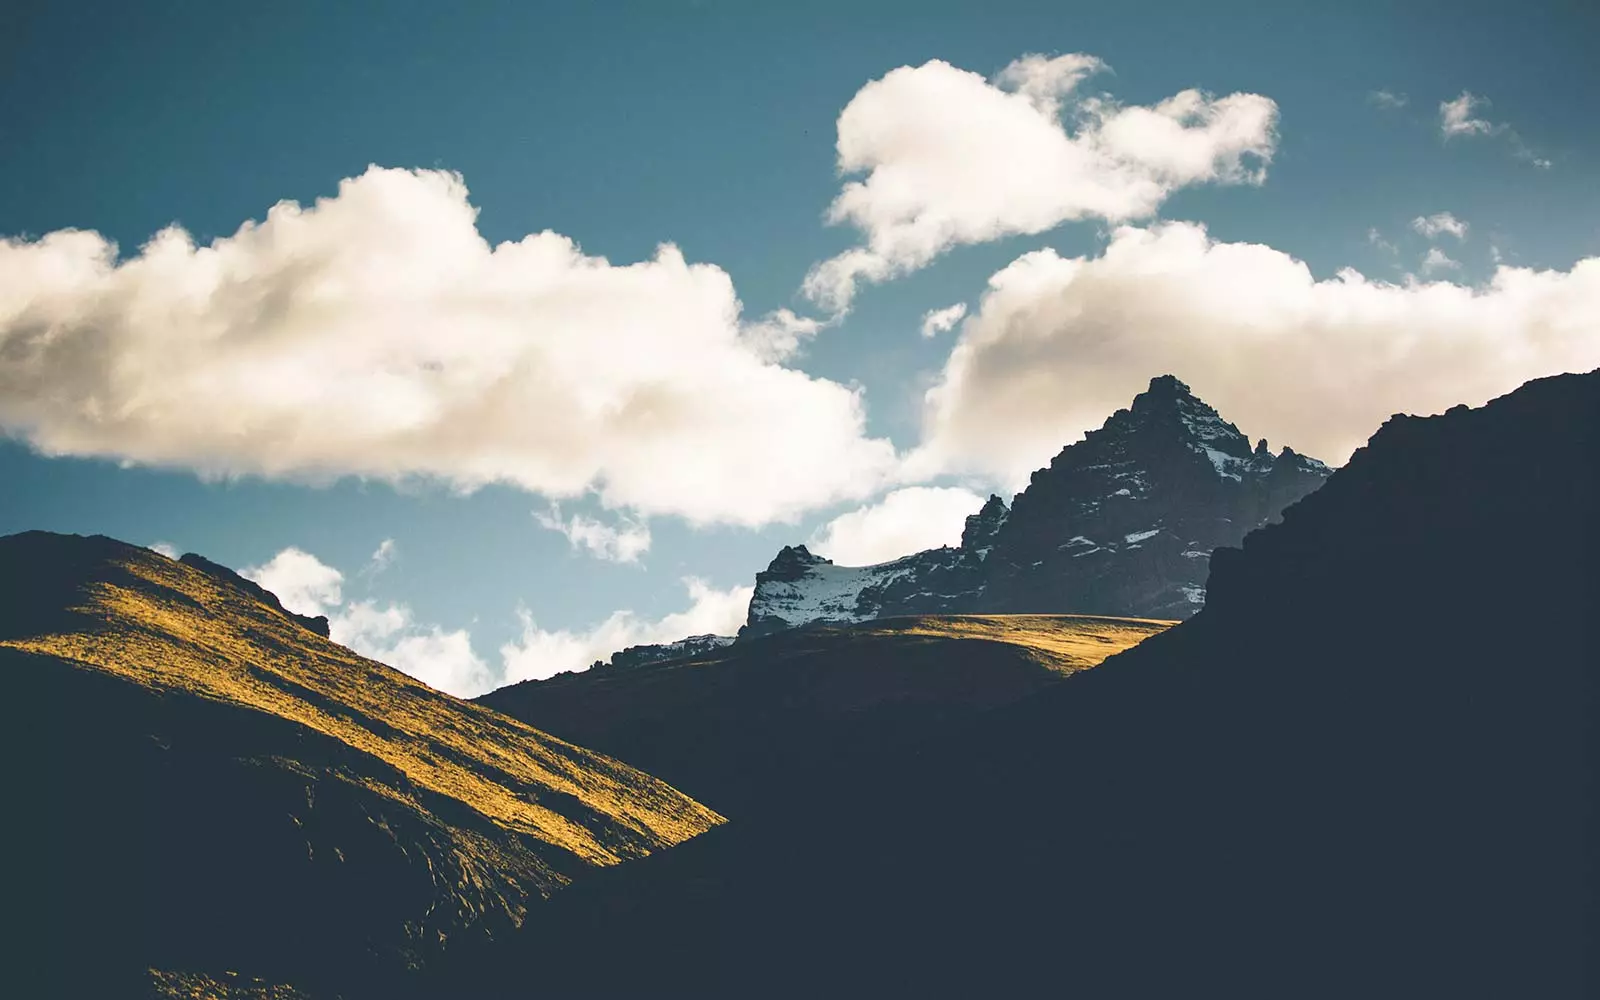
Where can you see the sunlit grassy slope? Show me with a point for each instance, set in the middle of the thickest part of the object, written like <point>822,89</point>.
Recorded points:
<point>1064,643</point>
<point>420,814</point>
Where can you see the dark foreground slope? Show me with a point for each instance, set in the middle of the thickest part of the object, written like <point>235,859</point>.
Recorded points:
<point>1365,769</point>
<point>768,725</point>
<point>211,787</point>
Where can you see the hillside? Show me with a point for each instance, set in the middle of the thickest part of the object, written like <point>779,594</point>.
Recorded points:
<point>222,788</point>
<point>741,726</point>
<point>1365,769</point>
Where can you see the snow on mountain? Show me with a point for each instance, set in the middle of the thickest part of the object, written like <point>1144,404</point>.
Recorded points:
<point>1122,522</point>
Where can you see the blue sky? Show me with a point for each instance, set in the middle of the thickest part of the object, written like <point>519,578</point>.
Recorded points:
<point>713,126</point>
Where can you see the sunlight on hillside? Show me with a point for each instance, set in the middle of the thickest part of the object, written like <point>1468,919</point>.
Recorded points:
<point>1065,643</point>
<point>170,627</point>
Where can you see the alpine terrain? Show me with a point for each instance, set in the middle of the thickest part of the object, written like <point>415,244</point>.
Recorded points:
<point>216,794</point>
<point>1364,768</point>
<point>1122,523</point>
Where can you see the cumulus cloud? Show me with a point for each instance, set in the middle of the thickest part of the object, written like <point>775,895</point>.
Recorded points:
<point>378,334</point>
<point>1058,343</point>
<point>905,521</point>
<point>165,548</point>
<point>1440,224</point>
<point>1388,100</point>
<point>303,583</point>
<point>539,652</point>
<point>1437,260</point>
<point>951,158</point>
<point>442,659</point>
<point>937,321</point>
<point>624,542</point>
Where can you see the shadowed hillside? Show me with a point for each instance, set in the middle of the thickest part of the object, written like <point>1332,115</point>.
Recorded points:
<point>221,788</point>
<point>744,728</point>
<point>1365,769</point>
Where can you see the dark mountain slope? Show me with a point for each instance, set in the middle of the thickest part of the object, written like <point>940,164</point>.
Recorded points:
<point>765,726</point>
<point>211,785</point>
<point>1365,769</point>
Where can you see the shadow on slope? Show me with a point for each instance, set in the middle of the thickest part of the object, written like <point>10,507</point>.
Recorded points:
<point>211,785</point>
<point>755,727</point>
<point>1366,768</point>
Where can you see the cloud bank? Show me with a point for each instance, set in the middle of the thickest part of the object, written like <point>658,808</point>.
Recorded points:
<point>377,334</point>
<point>951,158</point>
<point>1058,343</point>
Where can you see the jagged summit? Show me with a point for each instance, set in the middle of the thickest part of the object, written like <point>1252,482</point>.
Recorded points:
<point>1120,523</point>
<point>982,527</point>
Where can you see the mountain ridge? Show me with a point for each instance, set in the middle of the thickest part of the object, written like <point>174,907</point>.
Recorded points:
<point>281,804</point>
<point>1120,523</point>
<point>1365,767</point>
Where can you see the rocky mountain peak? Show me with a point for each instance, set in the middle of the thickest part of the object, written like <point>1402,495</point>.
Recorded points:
<point>982,527</point>
<point>792,561</point>
<point>1120,523</point>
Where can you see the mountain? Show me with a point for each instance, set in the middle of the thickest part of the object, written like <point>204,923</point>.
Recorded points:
<point>1366,767</point>
<point>1121,523</point>
<point>638,656</point>
<point>218,790</point>
<point>760,725</point>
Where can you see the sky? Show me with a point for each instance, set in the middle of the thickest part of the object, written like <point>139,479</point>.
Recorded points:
<point>509,334</point>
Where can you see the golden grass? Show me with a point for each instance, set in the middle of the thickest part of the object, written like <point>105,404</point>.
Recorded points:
<point>169,985</point>
<point>1064,643</point>
<point>170,627</point>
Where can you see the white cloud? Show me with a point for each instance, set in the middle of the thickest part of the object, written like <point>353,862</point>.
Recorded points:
<point>377,334</point>
<point>1455,117</point>
<point>442,659</point>
<point>1376,239</point>
<point>1388,100</point>
<point>1057,343</point>
<point>937,321</point>
<point>439,658</point>
<point>623,543</point>
<point>1437,260</point>
<point>905,521</point>
<point>381,557</point>
<point>303,583</point>
<point>778,335</point>
<point>541,653</point>
<point>1441,223</point>
<point>445,658</point>
<point>165,548</point>
<point>951,158</point>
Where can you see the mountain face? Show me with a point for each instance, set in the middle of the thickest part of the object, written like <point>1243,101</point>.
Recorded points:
<point>1366,767</point>
<point>1121,523</point>
<point>221,788</point>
